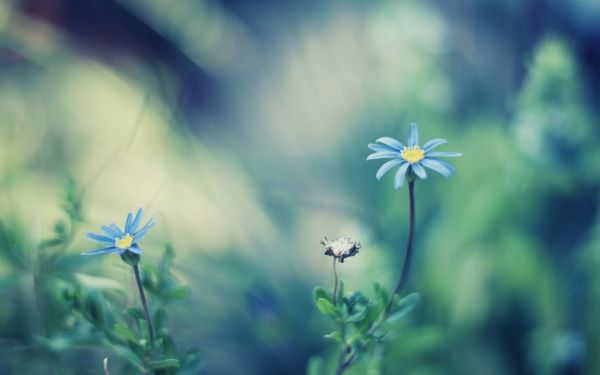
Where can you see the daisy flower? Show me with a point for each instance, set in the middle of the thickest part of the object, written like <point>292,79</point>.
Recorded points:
<point>411,158</point>
<point>341,248</point>
<point>119,241</point>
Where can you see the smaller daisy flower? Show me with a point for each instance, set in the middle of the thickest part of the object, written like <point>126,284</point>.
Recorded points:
<point>120,241</point>
<point>341,248</point>
<point>411,158</point>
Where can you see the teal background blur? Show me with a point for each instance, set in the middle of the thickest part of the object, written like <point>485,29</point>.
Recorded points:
<point>241,127</point>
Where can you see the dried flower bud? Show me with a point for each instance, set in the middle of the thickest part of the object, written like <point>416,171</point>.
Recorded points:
<point>341,248</point>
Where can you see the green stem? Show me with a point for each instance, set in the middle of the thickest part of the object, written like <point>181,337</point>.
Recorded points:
<point>409,245</point>
<point>138,279</point>
<point>335,282</point>
<point>343,362</point>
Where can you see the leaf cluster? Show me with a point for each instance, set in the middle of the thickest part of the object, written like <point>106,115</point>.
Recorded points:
<point>363,324</point>
<point>57,314</point>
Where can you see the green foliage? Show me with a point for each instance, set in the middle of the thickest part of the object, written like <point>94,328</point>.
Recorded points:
<point>364,324</point>
<point>159,280</point>
<point>327,307</point>
<point>162,356</point>
<point>507,253</point>
<point>404,306</point>
<point>72,312</point>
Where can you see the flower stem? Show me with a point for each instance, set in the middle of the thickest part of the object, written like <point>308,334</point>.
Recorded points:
<point>409,244</point>
<point>138,279</point>
<point>335,282</point>
<point>343,362</point>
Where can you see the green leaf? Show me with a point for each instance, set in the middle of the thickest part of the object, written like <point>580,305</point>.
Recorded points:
<point>160,318</point>
<point>381,293</point>
<point>335,336</point>
<point>58,343</point>
<point>378,308</point>
<point>191,360</point>
<point>51,242</point>
<point>168,345</point>
<point>13,246</point>
<point>60,227</point>
<point>135,312</point>
<point>93,309</point>
<point>178,293</point>
<point>405,305</point>
<point>128,355</point>
<point>359,341</point>
<point>356,298</point>
<point>123,331</point>
<point>315,366</point>
<point>326,307</point>
<point>68,292</point>
<point>126,334</point>
<point>150,277</point>
<point>96,282</point>
<point>380,335</point>
<point>374,311</point>
<point>167,259</point>
<point>163,363</point>
<point>358,315</point>
<point>72,201</point>
<point>143,327</point>
<point>320,292</point>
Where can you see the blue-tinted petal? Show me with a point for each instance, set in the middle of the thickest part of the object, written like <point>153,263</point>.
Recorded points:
<point>113,232</point>
<point>400,174</point>
<point>136,221</point>
<point>386,167</point>
<point>394,143</point>
<point>100,238</point>
<point>127,223</point>
<point>433,143</point>
<point>378,147</point>
<point>419,171</point>
<point>116,228</point>
<point>136,249</point>
<point>439,166</point>
<point>104,250</point>
<point>140,233</point>
<point>444,154</point>
<point>413,135</point>
<point>383,155</point>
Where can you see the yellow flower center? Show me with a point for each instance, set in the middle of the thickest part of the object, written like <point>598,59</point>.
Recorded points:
<point>412,154</point>
<point>124,242</point>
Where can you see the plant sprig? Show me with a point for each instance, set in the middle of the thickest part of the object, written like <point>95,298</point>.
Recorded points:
<point>361,321</point>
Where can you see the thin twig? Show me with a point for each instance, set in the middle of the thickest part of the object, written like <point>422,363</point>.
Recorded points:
<point>138,279</point>
<point>409,246</point>
<point>343,362</point>
<point>335,282</point>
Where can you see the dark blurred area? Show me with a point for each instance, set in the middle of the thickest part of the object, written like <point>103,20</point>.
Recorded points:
<point>488,39</point>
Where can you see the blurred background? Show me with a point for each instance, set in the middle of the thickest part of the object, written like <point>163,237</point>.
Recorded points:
<point>241,127</point>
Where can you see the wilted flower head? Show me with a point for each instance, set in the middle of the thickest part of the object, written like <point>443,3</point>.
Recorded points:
<point>411,156</point>
<point>120,241</point>
<point>341,248</point>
